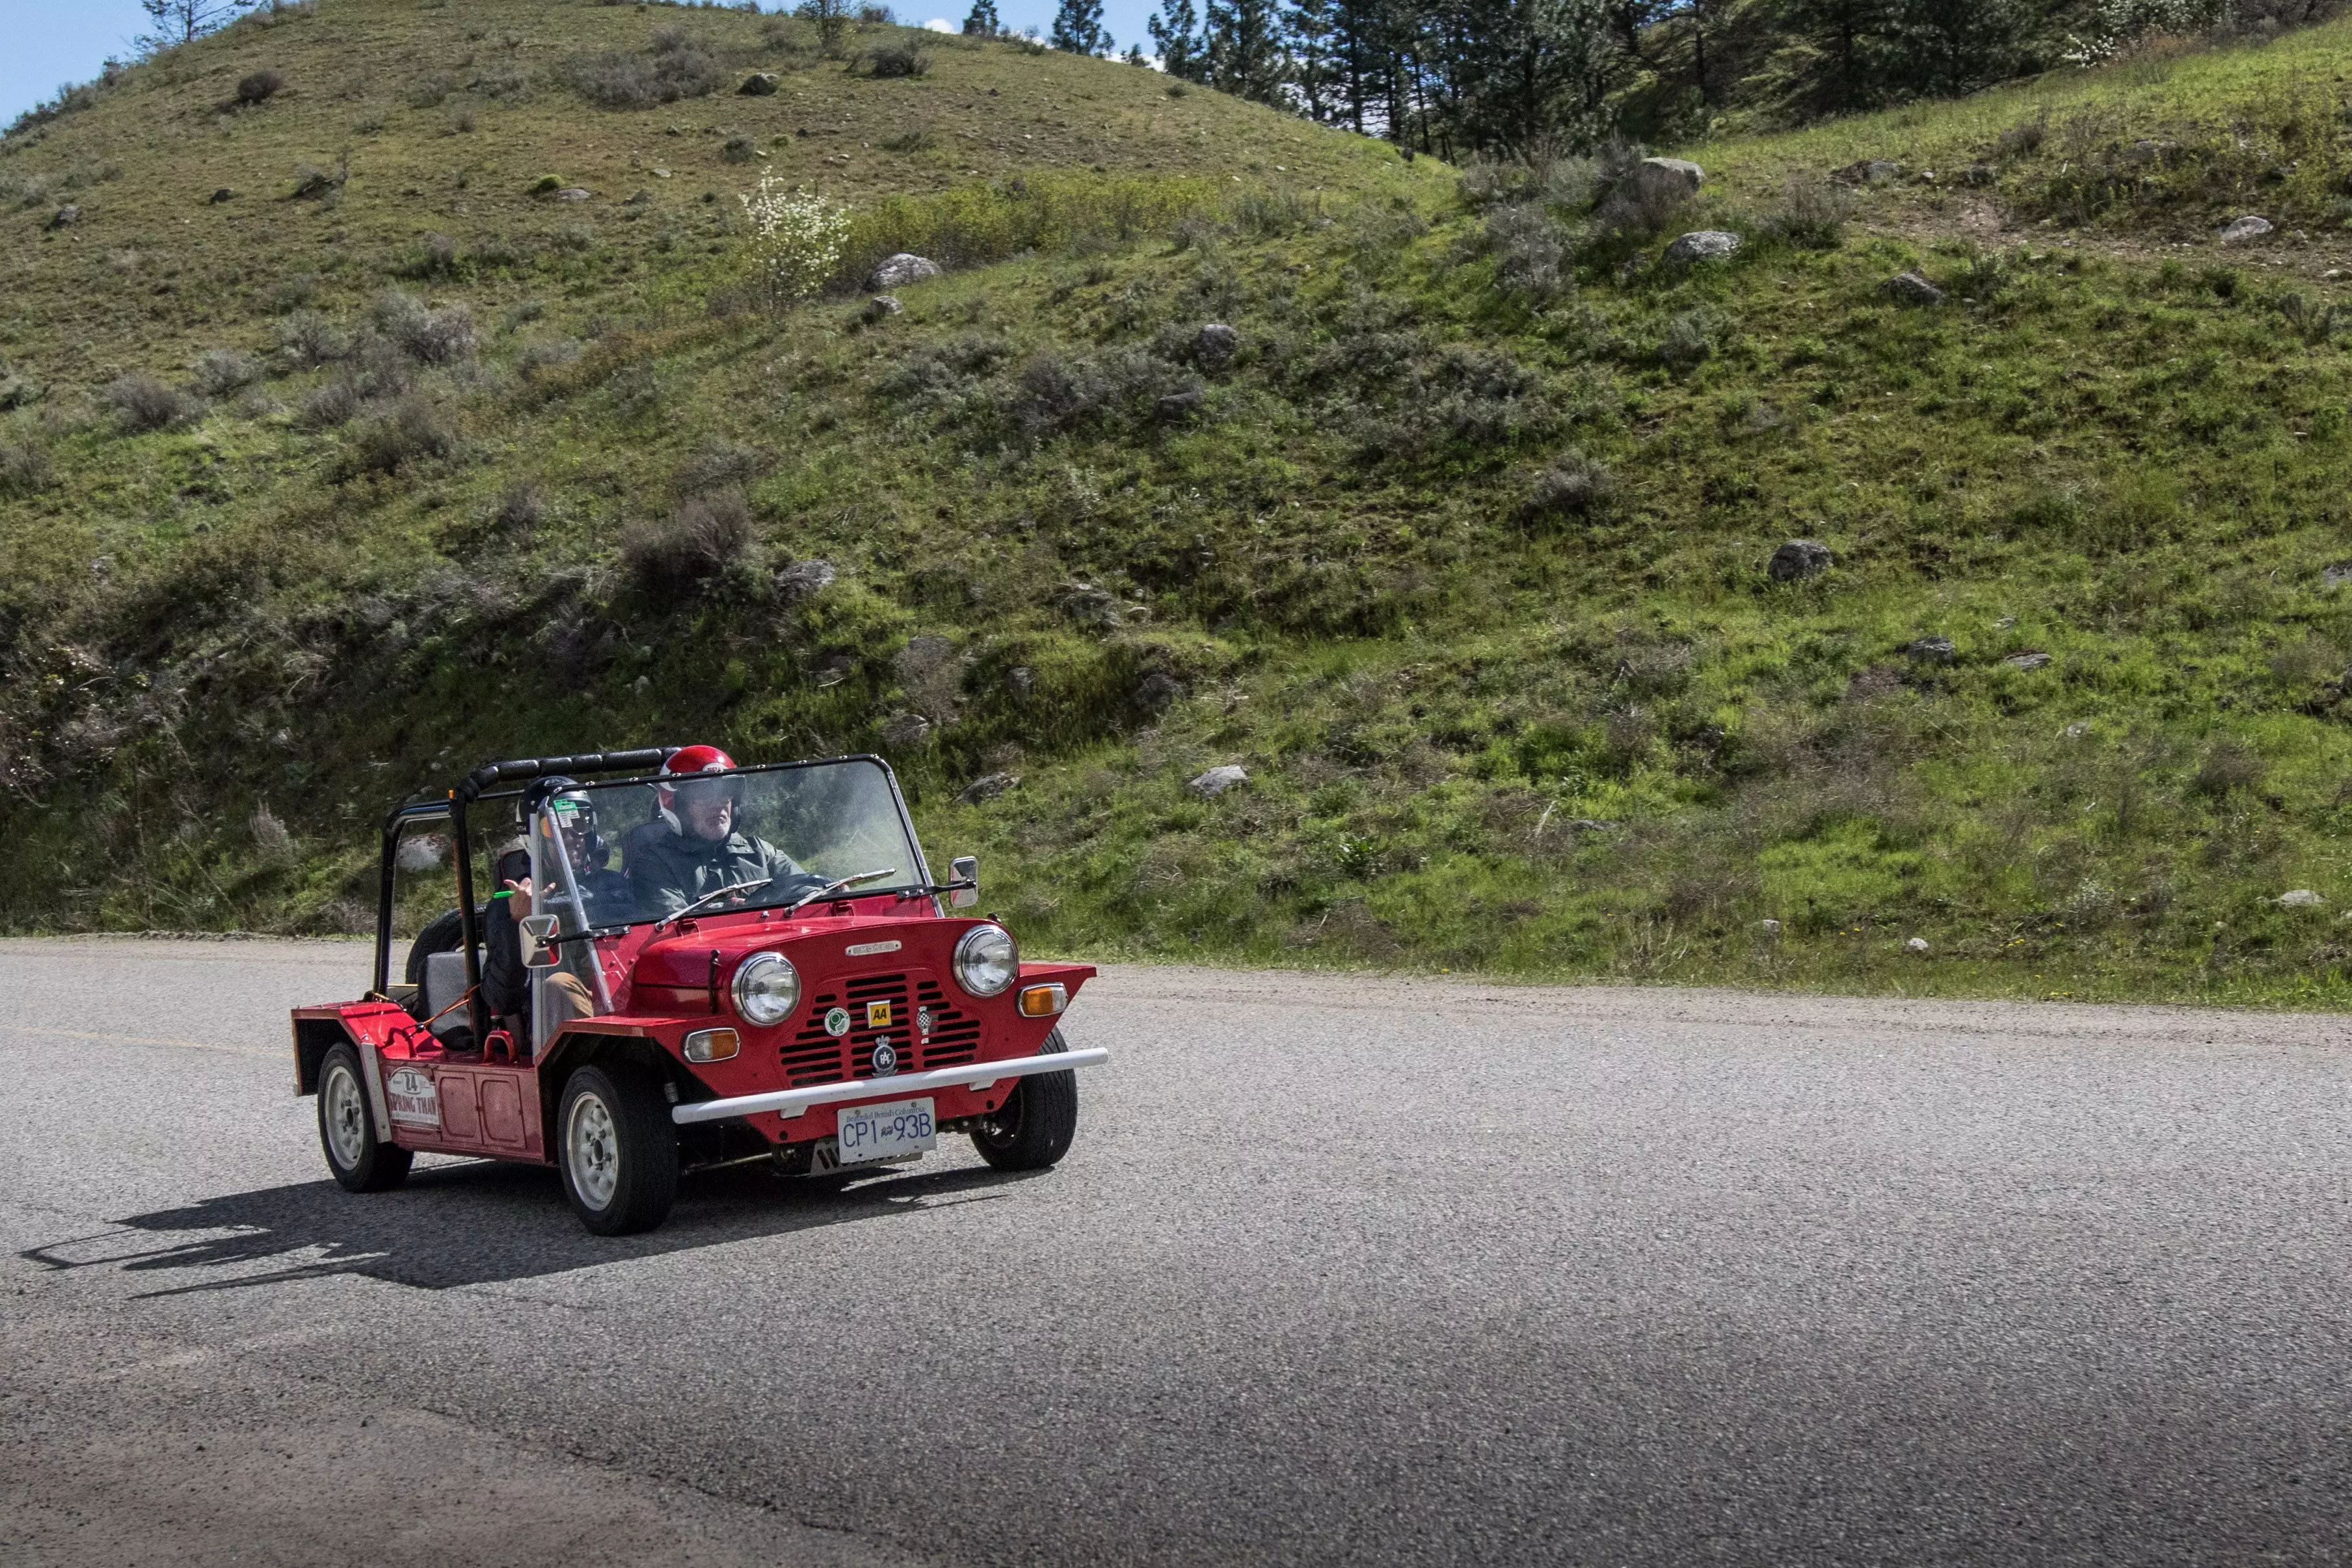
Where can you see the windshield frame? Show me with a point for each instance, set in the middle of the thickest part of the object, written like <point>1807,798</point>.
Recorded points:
<point>917,882</point>
<point>456,804</point>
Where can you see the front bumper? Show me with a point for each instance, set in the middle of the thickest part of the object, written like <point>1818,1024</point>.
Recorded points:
<point>973,1075</point>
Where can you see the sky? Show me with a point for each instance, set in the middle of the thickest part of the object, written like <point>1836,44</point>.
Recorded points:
<point>47,43</point>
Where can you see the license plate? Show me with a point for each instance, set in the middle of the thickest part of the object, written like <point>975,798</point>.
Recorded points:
<point>867,1133</point>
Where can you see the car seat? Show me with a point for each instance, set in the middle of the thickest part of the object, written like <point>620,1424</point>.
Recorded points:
<point>443,986</point>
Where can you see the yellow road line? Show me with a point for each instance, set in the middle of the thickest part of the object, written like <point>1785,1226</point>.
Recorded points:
<point>140,1039</point>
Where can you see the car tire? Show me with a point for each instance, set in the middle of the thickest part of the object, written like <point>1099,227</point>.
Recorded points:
<point>360,1159</point>
<point>442,933</point>
<point>617,1149</point>
<point>1033,1129</point>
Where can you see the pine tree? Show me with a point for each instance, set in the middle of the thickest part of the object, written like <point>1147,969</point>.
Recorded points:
<point>982,22</point>
<point>1176,33</point>
<point>1079,29</point>
<point>1248,57</point>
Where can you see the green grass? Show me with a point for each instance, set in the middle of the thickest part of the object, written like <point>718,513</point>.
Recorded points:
<point>1486,728</point>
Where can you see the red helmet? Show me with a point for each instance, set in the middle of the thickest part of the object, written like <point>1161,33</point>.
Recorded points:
<point>685,763</point>
<point>696,759</point>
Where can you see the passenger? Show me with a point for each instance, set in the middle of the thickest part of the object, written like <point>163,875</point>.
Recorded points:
<point>558,805</point>
<point>698,846</point>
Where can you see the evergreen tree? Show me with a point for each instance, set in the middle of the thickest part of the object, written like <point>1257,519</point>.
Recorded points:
<point>1316,73</point>
<point>1248,57</point>
<point>1079,29</point>
<point>1176,33</point>
<point>981,23</point>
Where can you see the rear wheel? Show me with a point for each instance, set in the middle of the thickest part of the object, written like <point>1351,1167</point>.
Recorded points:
<point>619,1150</point>
<point>346,1131</point>
<point>442,933</point>
<point>1033,1129</point>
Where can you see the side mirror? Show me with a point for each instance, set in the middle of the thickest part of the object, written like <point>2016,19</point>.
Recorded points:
<point>964,869</point>
<point>537,932</point>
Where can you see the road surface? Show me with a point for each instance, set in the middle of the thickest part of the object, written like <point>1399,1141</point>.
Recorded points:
<point>1340,1271</point>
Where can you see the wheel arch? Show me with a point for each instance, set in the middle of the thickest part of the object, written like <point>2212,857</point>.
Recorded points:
<point>313,1038</point>
<point>575,1049</point>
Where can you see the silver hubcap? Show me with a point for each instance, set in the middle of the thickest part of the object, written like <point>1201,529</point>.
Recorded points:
<point>591,1152</point>
<point>346,1119</point>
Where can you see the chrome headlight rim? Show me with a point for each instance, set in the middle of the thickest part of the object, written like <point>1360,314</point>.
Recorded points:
<point>761,1006</point>
<point>966,959</point>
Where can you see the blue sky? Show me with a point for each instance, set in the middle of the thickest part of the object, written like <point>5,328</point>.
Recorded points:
<point>44,43</point>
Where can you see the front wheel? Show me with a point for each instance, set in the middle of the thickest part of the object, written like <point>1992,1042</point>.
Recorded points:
<point>361,1160</point>
<point>619,1150</point>
<point>1032,1131</point>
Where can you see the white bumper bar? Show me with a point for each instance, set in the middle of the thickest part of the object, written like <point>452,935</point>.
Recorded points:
<point>974,1075</point>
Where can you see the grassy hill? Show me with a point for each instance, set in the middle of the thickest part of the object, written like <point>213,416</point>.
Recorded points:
<point>1461,552</point>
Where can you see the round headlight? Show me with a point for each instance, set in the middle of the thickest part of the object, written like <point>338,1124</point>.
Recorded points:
<point>985,962</point>
<point>767,989</point>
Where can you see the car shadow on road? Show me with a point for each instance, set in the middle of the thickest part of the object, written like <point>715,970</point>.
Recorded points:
<point>475,1223</point>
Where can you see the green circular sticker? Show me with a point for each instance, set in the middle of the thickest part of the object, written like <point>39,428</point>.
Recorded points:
<point>836,1022</point>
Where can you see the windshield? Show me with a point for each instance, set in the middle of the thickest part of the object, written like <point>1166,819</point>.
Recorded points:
<point>607,855</point>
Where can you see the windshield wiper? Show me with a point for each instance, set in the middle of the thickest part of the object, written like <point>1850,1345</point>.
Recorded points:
<point>829,889</point>
<point>713,896</point>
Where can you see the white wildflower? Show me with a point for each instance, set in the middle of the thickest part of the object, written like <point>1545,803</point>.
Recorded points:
<point>797,235</point>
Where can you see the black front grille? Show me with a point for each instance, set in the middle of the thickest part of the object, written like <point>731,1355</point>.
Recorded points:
<point>813,1056</point>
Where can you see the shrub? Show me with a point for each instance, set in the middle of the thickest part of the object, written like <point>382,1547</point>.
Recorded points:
<point>408,431</point>
<point>613,80</point>
<point>260,87</point>
<point>1811,214</point>
<point>2228,767</point>
<point>522,508</point>
<point>898,60</point>
<point>1570,489</point>
<point>676,556</point>
<point>220,371</point>
<point>23,467</point>
<point>431,337</point>
<point>146,403</point>
<point>717,465</point>
<point>307,339</point>
<point>331,404</point>
<point>1528,248</point>
<point>797,238</point>
<point>738,149</point>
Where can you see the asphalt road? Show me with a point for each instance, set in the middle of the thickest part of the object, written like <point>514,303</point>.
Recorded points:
<point>1339,1271</point>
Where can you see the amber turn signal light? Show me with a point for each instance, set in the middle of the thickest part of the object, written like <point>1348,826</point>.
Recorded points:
<point>1043,1001</point>
<point>712,1045</point>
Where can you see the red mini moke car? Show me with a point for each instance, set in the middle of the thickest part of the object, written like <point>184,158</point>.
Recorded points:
<point>718,964</point>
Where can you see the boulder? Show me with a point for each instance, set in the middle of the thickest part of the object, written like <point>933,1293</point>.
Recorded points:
<point>1157,690</point>
<point>758,84</point>
<point>573,193</point>
<point>2300,898</point>
<point>222,195</point>
<point>2249,228</point>
<point>1217,781</point>
<point>804,580</point>
<point>68,214</point>
<point>1091,605</point>
<point>1917,944</point>
<point>1021,680</point>
<point>1214,345</point>
<point>988,787</point>
<point>1799,559</point>
<point>1178,407</point>
<point>2027,661</point>
<point>880,306</point>
<point>1933,650</point>
<point>1910,288</point>
<point>1869,172</point>
<point>1702,245</point>
<point>1675,176</point>
<point>905,731</point>
<point>897,271</point>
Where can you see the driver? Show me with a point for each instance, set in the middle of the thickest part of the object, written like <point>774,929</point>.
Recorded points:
<point>698,845</point>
